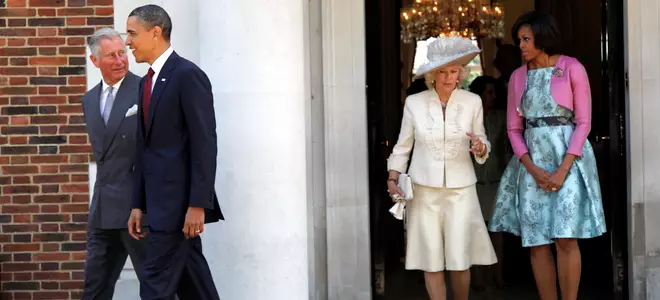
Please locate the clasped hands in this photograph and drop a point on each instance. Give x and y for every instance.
(549, 182)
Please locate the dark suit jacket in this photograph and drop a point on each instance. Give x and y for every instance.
(177, 149)
(113, 146)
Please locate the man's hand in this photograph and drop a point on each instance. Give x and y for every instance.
(135, 224)
(194, 222)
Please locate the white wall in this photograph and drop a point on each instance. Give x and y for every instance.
(253, 53)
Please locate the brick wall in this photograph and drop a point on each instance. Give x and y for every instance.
(44, 151)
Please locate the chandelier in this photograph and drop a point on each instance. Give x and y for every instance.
(439, 18)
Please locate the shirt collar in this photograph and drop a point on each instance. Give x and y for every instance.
(159, 63)
(115, 86)
(436, 98)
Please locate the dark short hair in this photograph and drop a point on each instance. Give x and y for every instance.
(478, 86)
(153, 15)
(545, 29)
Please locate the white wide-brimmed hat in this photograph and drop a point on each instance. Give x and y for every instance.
(446, 51)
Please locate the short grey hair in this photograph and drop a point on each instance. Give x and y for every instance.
(101, 34)
(153, 15)
(429, 77)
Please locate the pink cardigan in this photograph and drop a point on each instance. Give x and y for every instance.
(570, 90)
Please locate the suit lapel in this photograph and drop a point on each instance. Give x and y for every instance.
(122, 104)
(140, 120)
(160, 84)
(94, 118)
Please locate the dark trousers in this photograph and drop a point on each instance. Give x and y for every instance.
(176, 266)
(107, 250)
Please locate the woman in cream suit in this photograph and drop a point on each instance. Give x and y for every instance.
(445, 231)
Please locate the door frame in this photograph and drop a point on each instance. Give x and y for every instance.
(642, 79)
(614, 40)
(346, 158)
(345, 153)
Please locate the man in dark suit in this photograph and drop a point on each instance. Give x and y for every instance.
(175, 162)
(110, 114)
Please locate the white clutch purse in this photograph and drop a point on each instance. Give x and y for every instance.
(405, 184)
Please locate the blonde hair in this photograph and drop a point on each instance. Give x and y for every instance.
(429, 77)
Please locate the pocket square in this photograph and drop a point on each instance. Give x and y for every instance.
(131, 111)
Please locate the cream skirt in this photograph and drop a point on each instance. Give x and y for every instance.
(446, 231)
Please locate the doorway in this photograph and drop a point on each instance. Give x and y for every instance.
(596, 39)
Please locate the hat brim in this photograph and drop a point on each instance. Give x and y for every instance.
(462, 60)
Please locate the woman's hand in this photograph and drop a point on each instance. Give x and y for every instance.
(541, 177)
(557, 179)
(478, 147)
(392, 188)
(395, 192)
(559, 176)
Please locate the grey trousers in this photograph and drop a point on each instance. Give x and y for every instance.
(107, 250)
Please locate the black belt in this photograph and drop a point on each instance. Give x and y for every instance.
(548, 121)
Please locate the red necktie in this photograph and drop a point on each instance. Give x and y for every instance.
(146, 96)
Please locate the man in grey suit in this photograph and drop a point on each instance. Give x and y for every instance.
(111, 115)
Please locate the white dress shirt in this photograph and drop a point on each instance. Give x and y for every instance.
(158, 65)
(105, 94)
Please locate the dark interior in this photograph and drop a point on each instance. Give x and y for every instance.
(592, 31)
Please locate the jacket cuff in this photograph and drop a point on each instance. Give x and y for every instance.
(197, 200)
(520, 151)
(482, 159)
(575, 152)
(397, 163)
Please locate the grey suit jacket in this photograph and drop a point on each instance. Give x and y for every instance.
(113, 146)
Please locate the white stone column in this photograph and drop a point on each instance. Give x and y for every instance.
(643, 65)
(253, 52)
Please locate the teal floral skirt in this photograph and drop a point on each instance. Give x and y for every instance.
(538, 217)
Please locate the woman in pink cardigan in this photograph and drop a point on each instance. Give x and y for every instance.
(549, 193)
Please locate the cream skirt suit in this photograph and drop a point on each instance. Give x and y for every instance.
(446, 230)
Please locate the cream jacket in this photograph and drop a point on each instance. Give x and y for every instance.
(441, 157)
